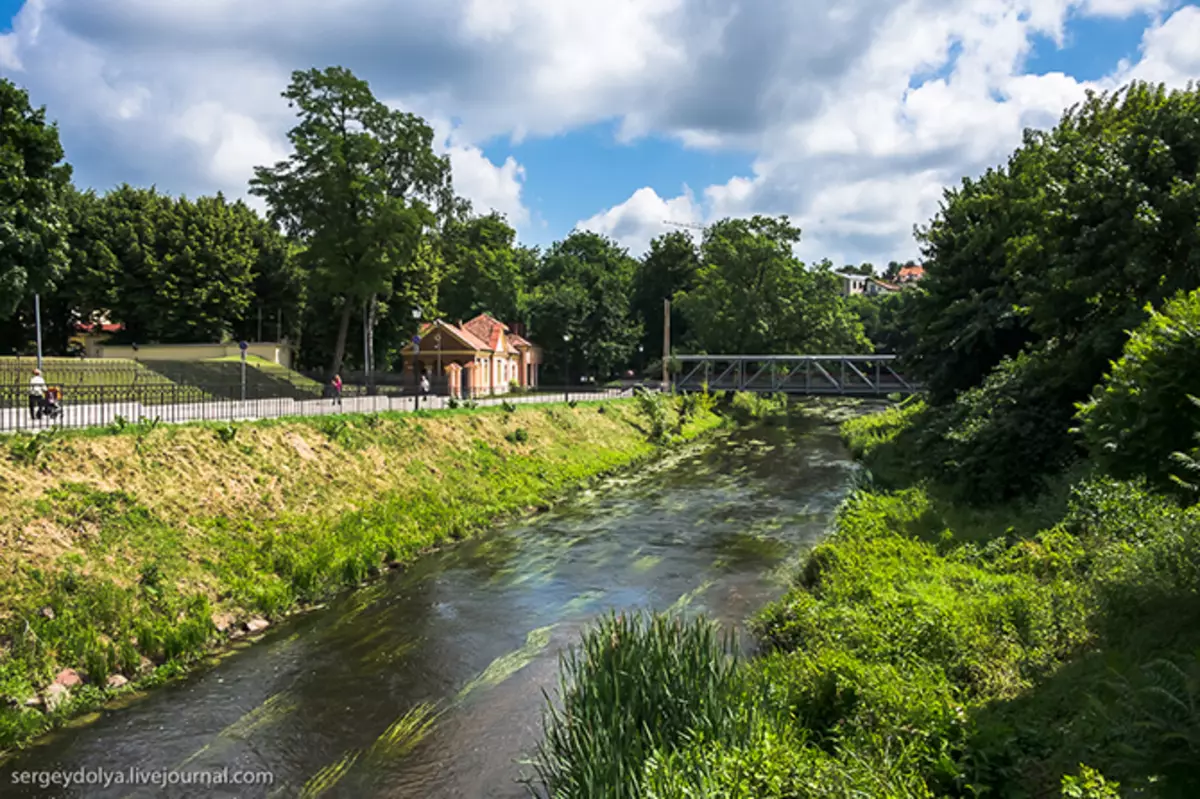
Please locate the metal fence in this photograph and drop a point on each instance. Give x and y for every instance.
(106, 405)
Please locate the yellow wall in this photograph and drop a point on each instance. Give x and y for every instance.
(269, 351)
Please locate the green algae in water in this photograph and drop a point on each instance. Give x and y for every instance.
(507, 665)
(582, 601)
(646, 563)
(403, 735)
(685, 600)
(270, 711)
(329, 776)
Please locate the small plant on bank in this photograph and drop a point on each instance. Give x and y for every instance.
(518, 436)
(226, 433)
(659, 410)
(29, 450)
(509, 407)
(453, 403)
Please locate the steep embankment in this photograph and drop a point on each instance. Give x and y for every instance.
(126, 554)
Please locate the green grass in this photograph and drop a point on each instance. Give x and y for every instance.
(83, 379)
(171, 527)
(932, 649)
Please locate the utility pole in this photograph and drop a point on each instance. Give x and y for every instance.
(260, 338)
(666, 341)
(37, 316)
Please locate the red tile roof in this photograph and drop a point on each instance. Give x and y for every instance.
(912, 273)
(485, 328)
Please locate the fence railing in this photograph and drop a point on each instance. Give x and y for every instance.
(105, 405)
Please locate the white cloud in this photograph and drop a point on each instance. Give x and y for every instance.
(643, 216)
(858, 111)
(873, 159)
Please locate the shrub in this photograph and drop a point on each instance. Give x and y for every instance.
(518, 436)
(1141, 412)
(1003, 439)
(659, 410)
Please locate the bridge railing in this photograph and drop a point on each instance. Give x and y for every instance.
(852, 375)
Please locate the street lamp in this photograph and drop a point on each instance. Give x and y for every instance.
(567, 362)
(416, 341)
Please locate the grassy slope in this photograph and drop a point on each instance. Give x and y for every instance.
(968, 651)
(926, 649)
(142, 544)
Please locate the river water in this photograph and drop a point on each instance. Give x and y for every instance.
(474, 630)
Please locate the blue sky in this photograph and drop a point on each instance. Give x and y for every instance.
(847, 116)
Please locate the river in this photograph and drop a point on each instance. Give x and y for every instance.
(475, 630)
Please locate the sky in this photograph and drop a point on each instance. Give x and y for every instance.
(616, 116)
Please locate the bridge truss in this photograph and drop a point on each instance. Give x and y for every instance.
(849, 375)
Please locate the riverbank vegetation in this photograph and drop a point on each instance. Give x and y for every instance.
(132, 552)
(1008, 604)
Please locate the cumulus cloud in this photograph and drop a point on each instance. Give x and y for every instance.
(858, 111)
(939, 91)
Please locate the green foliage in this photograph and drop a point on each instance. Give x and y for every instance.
(749, 407)
(636, 687)
(751, 295)
(358, 191)
(226, 433)
(659, 410)
(33, 187)
(508, 407)
(583, 288)
(518, 436)
(1089, 784)
(667, 270)
(1036, 271)
(485, 271)
(30, 450)
(1140, 413)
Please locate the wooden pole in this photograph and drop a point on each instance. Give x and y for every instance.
(666, 343)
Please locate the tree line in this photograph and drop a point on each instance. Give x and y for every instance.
(1036, 273)
(362, 228)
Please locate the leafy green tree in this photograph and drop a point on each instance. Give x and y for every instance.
(583, 288)
(669, 268)
(485, 271)
(178, 270)
(883, 320)
(33, 182)
(359, 191)
(753, 296)
(1143, 412)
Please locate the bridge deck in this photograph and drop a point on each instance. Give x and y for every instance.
(847, 375)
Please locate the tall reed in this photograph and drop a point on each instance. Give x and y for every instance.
(635, 686)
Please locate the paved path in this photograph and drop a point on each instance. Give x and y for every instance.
(98, 415)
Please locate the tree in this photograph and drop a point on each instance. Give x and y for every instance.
(667, 269)
(584, 285)
(33, 182)
(485, 272)
(753, 296)
(358, 191)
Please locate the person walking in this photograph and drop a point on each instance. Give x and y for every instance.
(337, 389)
(425, 384)
(37, 394)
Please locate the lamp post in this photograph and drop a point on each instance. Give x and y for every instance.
(567, 365)
(416, 340)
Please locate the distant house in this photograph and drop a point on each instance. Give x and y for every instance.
(910, 274)
(852, 283)
(482, 356)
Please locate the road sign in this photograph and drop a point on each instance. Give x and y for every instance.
(416, 340)
(244, 346)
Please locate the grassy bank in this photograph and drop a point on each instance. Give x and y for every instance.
(1050, 648)
(135, 552)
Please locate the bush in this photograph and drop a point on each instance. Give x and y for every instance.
(1004, 438)
(1141, 414)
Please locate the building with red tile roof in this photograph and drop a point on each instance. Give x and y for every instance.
(482, 356)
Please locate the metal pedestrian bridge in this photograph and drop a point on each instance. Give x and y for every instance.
(846, 375)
